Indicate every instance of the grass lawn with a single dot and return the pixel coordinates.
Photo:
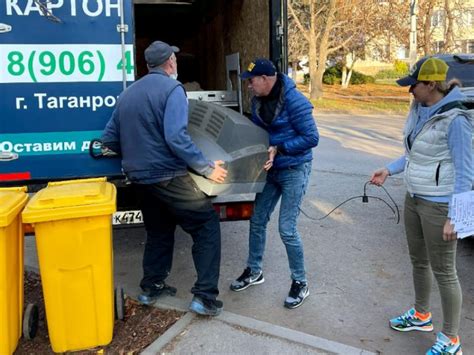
(375, 98)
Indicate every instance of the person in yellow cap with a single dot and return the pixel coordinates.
(437, 163)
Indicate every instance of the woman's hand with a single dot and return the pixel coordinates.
(379, 176)
(448, 231)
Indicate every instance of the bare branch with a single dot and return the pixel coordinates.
(304, 32)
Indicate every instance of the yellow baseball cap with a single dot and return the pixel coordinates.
(426, 69)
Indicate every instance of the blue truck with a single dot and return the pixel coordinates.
(63, 63)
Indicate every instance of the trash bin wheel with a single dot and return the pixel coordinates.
(119, 303)
(30, 321)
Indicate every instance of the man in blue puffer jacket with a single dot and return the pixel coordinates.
(287, 115)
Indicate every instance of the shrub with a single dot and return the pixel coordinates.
(401, 67)
(332, 76)
(359, 78)
(306, 79)
(399, 70)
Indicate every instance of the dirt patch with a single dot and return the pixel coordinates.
(366, 90)
(140, 327)
(362, 99)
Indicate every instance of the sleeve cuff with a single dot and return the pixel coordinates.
(281, 149)
(209, 169)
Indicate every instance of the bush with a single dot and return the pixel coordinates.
(306, 79)
(359, 78)
(333, 76)
(400, 69)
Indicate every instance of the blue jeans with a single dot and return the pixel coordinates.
(289, 184)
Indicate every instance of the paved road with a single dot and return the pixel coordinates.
(357, 262)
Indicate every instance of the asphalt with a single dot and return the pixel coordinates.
(228, 333)
(356, 259)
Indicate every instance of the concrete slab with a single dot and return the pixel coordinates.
(232, 334)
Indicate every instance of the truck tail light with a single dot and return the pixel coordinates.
(15, 176)
(234, 211)
(28, 229)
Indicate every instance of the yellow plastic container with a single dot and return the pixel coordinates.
(73, 227)
(12, 201)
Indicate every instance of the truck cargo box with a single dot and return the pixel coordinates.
(66, 62)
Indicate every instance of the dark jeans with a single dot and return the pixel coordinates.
(180, 202)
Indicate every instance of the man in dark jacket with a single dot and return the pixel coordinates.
(149, 129)
(287, 115)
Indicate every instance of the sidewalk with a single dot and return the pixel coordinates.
(230, 333)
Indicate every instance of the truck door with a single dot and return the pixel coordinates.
(62, 71)
(278, 34)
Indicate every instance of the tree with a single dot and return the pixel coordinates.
(368, 20)
(297, 46)
(320, 26)
(436, 19)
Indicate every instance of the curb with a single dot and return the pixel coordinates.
(169, 335)
(248, 323)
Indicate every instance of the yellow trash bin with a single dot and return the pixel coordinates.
(12, 201)
(73, 228)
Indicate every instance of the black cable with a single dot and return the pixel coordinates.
(389, 196)
(365, 199)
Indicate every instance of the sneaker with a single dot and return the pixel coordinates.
(412, 320)
(298, 292)
(205, 306)
(247, 279)
(150, 294)
(445, 346)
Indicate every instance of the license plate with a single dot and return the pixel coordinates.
(127, 217)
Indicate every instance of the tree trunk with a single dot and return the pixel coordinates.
(344, 76)
(449, 44)
(347, 81)
(315, 74)
(294, 69)
(427, 29)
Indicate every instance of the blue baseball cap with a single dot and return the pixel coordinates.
(259, 67)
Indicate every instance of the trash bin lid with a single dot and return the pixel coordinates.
(12, 201)
(71, 199)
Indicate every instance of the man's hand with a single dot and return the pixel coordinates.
(219, 173)
(448, 231)
(379, 176)
(272, 152)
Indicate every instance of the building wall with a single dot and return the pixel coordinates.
(464, 37)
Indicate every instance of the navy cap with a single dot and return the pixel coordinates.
(259, 67)
(159, 52)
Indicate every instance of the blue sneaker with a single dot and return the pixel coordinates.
(445, 346)
(151, 293)
(412, 320)
(206, 307)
